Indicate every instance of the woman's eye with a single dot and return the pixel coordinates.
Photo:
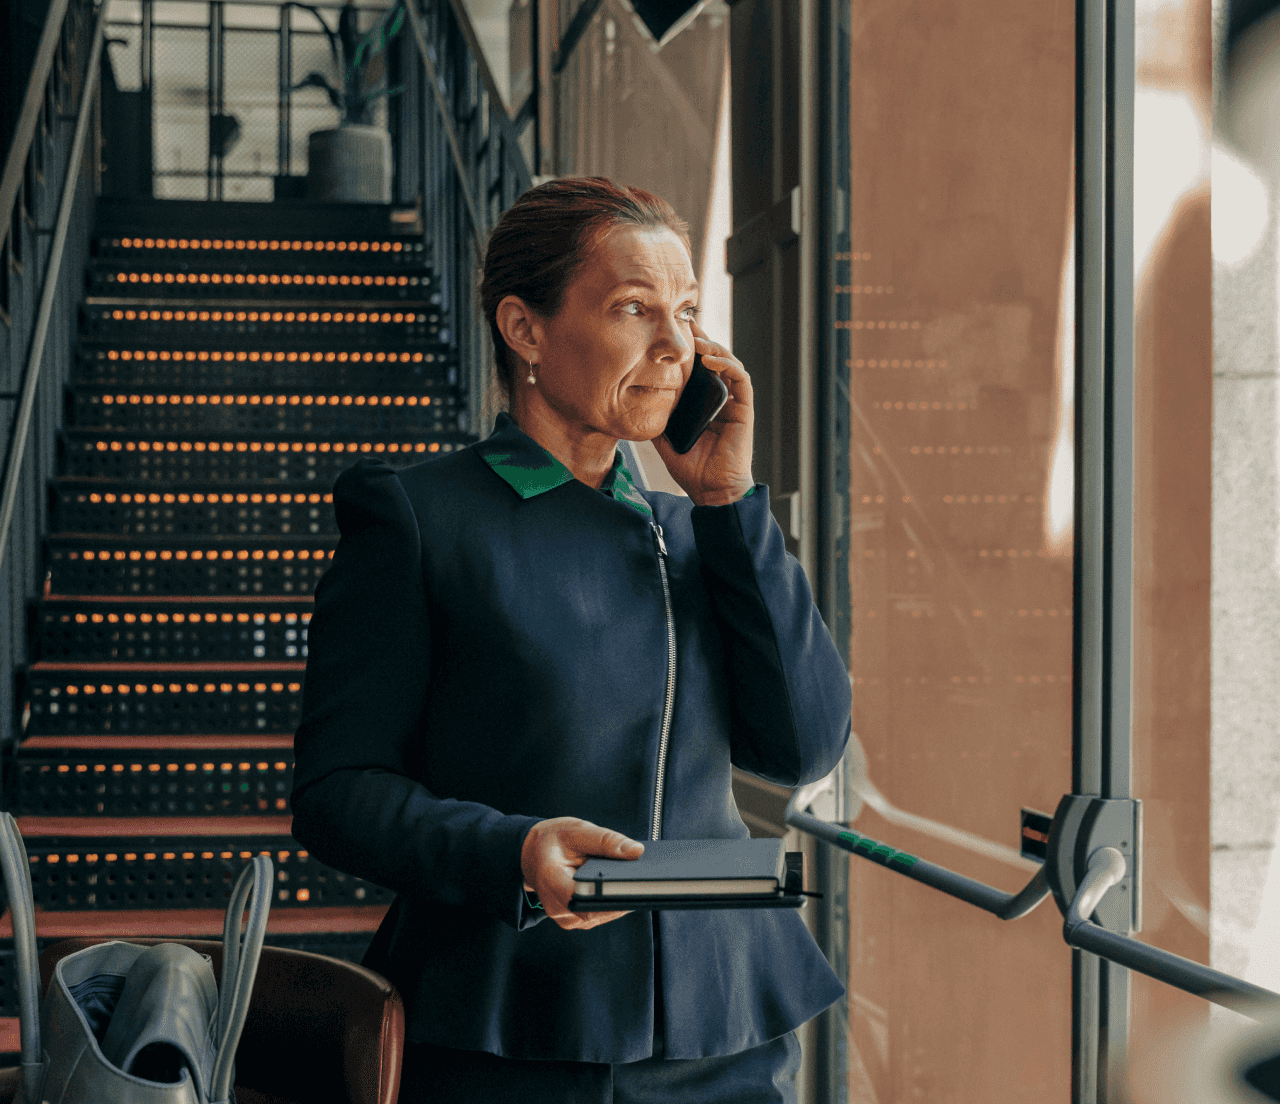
(691, 312)
(628, 306)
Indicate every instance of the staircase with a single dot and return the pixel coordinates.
(232, 360)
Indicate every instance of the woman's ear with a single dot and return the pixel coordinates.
(520, 327)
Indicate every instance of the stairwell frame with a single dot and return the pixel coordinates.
(40, 297)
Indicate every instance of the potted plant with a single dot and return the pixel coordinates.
(351, 162)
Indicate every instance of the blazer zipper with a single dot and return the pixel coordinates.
(668, 704)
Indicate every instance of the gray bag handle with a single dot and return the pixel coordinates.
(17, 884)
(239, 961)
(240, 966)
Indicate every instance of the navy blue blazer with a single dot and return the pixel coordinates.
(489, 648)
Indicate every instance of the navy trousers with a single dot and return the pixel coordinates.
(762, 1075)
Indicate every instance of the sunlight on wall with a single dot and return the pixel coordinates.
(1238, 208)
(1170, 161)
(1059, 498)
(717, 287)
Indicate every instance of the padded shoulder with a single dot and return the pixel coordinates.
(369, 494)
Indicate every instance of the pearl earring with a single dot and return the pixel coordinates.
(530, 378)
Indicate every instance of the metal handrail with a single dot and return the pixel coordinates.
(497, 106)
(32, 101)
(35, 354)
(1106, 868)
(464, 182)
(496, 97)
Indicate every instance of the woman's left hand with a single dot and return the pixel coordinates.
(717, 470)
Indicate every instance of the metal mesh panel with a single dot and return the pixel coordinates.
(237, 281)
(303, 414)
(172, 632)
(164, 702)
(186, 323)
(128, 509)
(180, 110)
(190, 369)
(170, 872)
(119, 456)
(379, 252)
(250, 67)
(163, 782)
(249, 567)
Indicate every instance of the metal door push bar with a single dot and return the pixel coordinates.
(1090, 868)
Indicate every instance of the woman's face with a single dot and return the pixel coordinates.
(616, 355)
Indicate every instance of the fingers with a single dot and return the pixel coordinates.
(591, 839)
(559, 848)
(721, 361)
(713, 350)
(595, 919)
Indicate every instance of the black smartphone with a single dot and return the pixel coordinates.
(701, 400)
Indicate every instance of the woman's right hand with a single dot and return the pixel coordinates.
(554, 849)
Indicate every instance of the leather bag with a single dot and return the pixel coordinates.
(130, 1024)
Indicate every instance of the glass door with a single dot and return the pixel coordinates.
(1018, 470)
(952, 326)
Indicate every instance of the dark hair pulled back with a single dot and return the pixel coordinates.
(543, 239)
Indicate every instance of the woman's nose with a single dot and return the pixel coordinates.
(672, 341)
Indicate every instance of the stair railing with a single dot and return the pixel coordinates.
(13, 171)
(473, 168)
(59, 54)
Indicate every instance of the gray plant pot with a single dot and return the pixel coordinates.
(349, 164)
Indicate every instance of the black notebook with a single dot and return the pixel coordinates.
(716, 868)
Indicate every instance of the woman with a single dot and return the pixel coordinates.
(518, 660)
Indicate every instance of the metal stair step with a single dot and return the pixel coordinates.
(62, 781)
(166, 700)
(196, 244)
(100, 864)
(216, 281)
(275, 250)
(288, 219)
(371, 325)
(178, 744)
(289, 412)
(214, 566)
(141, 510)
(171, 631)
(402, 371)
(238, 458)
(312, 924)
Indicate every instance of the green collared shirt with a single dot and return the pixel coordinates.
(529, 469)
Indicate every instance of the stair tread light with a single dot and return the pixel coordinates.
(254, 279)
(219, 398)
(267, 446)
(277, 355)
(205, 243)
(272, 316)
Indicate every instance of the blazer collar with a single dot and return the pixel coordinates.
(530, 470)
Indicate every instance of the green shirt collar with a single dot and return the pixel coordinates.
(530, 470)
